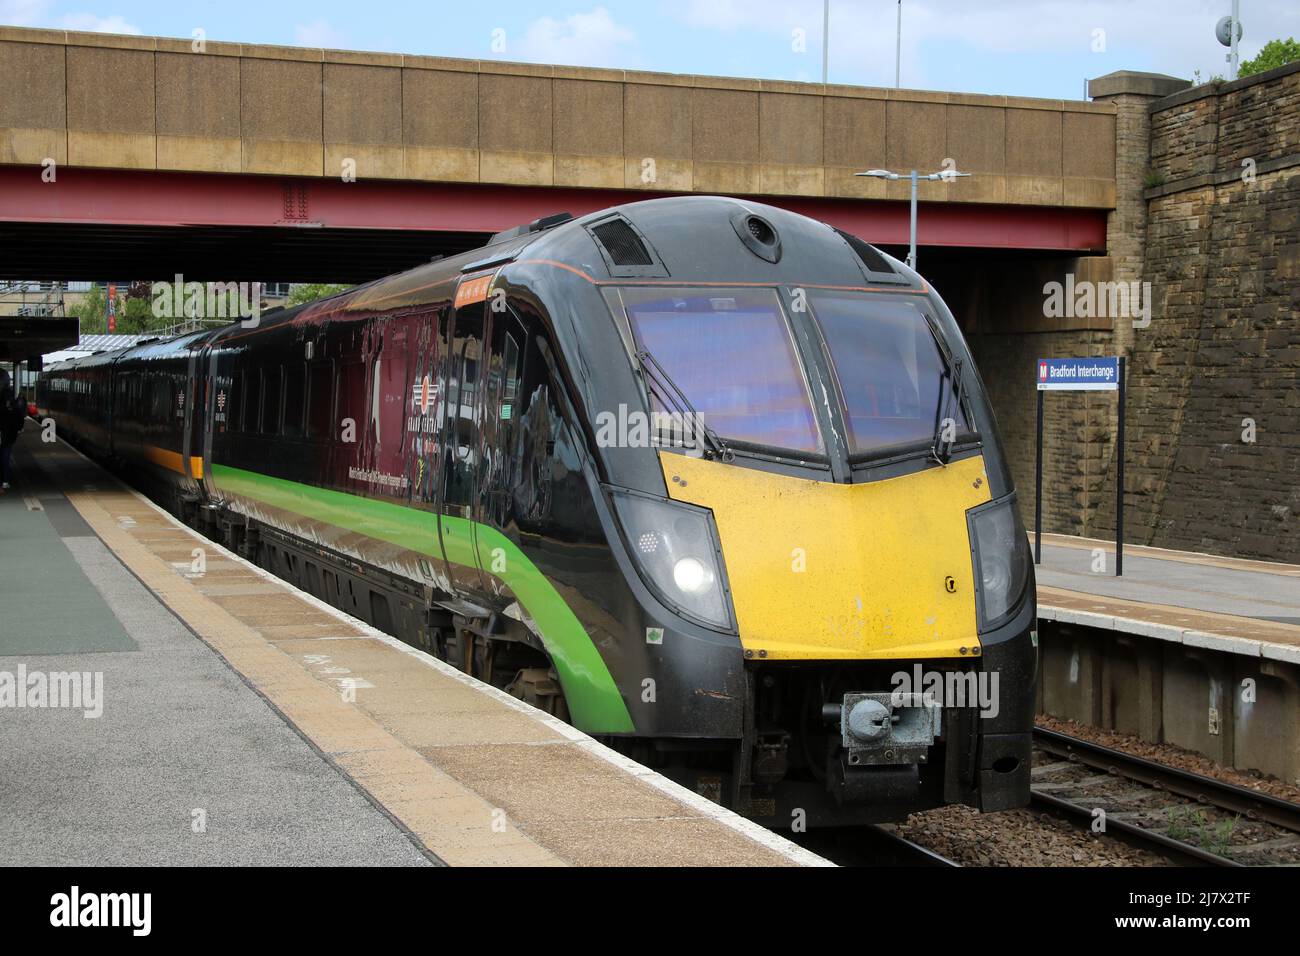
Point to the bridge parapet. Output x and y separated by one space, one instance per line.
153 103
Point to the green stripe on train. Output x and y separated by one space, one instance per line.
594 701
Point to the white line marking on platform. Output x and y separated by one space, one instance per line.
719 814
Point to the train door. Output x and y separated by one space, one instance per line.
217 403
463 388
497 443
196 411
424 421
390 385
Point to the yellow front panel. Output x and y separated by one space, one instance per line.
830 571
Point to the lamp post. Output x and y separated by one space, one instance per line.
946 175
898 48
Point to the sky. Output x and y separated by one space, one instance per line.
1043 48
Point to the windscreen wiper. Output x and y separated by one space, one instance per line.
940 449
670 392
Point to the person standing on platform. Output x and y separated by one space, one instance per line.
12 414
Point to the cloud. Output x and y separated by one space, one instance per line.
93 23
22 13
581 39
318 33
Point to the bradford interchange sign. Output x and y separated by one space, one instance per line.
1081 375
1078 374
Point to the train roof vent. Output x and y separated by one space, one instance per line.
626 251
622 243
872 259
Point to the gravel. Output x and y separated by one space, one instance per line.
1016 838
1172 756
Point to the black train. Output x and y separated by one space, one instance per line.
715 482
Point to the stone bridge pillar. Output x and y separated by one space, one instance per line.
1126 227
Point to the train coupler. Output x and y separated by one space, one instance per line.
886 729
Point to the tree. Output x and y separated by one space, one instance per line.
1274 54
91 311
136 316
311 291
135 313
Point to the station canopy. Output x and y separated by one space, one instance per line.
25 337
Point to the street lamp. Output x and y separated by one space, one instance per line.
946 175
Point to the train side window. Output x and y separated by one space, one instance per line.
351 401
510 391
320 399
235 403
270 401
295 399
248 402
162 400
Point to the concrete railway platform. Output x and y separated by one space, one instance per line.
227 718
1191 649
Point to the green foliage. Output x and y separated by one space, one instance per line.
91 311
311 291
1274 54
1189 824
135 312
135 316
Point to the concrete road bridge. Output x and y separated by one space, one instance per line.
146 135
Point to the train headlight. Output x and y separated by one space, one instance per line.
691 576
1000 552
676 549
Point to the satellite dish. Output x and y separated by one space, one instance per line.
1223 31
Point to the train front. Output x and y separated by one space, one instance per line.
836 568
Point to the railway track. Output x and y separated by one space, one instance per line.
908 852
1186 817
870 845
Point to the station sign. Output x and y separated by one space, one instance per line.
1078 374
1093 374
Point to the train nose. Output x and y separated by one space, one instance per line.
826 571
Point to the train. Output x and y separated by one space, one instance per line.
715 482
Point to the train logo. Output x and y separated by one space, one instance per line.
423 393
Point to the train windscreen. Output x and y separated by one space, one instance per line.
888 367
731 352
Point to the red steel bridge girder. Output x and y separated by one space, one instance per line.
83 196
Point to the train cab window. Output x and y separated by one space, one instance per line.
320 399
295 399
732 353
270 404
887 365
462 394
